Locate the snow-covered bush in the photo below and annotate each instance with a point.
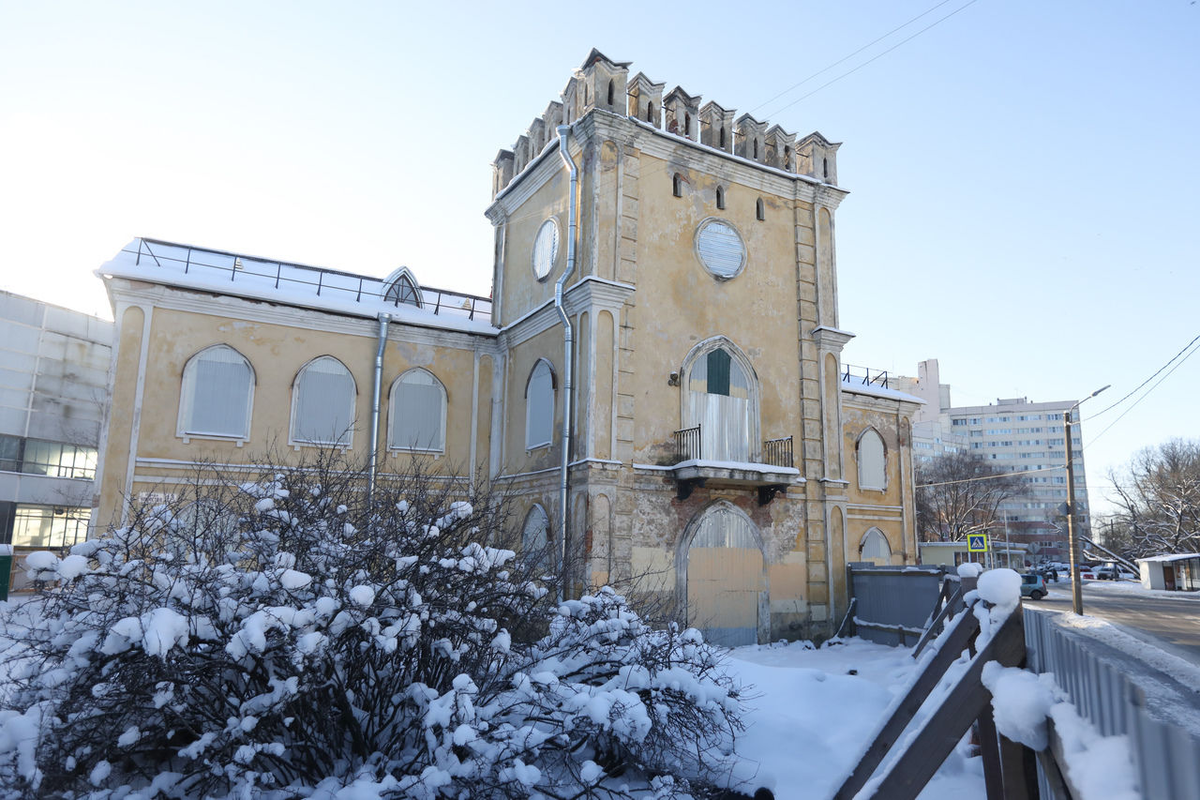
(268, 639)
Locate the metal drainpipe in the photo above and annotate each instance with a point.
(568, 342)
(376, 391)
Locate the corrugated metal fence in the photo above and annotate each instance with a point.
(1119, 694)
(892, 605)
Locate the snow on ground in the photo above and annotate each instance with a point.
(1133, 588)
(813, 712)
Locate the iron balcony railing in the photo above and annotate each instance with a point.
(283, 276)
(774, 452)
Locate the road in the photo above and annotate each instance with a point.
(1173, 623)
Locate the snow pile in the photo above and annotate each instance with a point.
(1000, 591)
(1022, 702)
(289, 647)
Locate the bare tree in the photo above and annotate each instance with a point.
(1157, 495)
(958, 494)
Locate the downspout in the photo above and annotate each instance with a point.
(568, 351)
(376, 392)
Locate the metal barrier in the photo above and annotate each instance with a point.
(1152, 709)
(892, 605)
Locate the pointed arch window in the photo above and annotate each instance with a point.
(677, 185)
(323, 398)
(721, 396)
(720, 197)
(417, 413)
(535, 536)
(874, 547)
(872, 461)
(217, 394)
(611, 92)
(539, 406)
(650, 112)
(402, 288)
(760, 210)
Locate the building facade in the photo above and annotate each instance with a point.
(656, 376)
(1013, 435)
(53, 397)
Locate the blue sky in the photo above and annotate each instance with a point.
(1023, 174)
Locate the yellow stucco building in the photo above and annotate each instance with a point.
(664, 280)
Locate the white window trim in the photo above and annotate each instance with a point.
(185, 402)
(394, 449)
(858, 462)
(701, 350)
(295, 443)
(395, 277)
(553, 405)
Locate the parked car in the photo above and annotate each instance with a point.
(1033, 586)
(1107, 572)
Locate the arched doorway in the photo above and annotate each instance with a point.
(723, 575)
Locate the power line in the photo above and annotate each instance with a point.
(1147, 394)
(1143, 383)
(872, 59)
(847, 58)
(992, 477)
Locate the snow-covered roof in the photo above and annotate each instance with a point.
(1171, 557)
(287, 283)
(859, 385)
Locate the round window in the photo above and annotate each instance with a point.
(720, 248)
(545, 248)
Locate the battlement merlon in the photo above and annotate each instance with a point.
(602, 83)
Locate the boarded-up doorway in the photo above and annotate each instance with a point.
(724, 575)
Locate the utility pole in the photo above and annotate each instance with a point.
(1072, 537)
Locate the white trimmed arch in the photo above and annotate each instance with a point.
(216, 396)
(719, 391)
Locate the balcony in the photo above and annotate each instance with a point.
(771, 470)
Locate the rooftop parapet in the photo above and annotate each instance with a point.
(605, 84)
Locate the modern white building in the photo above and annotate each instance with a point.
(1014, 435)
(54, 366)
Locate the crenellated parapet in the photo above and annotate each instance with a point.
(603, 84)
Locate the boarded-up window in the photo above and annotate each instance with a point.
(875, 548)
(535, 537)
(719, 401)
(323, 403)
(872, 462)
(217, 387)
(539, 406)
(418, 412)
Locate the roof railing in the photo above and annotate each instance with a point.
(866, 375)
(282, 275)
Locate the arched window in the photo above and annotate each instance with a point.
(649, 112)
(535, 537)
(826, 161)
(874, 547)
(721, 396)
(677, 185)
(787, 156)
(402, 288)
(722, 138)
(417, 413)
(217, 394)
(872, 461)
(720, 198)
(611, 90)
(760, 210)
(756, 148)
(539, 406)
(323, 403)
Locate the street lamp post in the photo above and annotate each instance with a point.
(1072, 537)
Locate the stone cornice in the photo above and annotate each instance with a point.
(589, 294)
(536, 174)
(123, 290)
(831, 339)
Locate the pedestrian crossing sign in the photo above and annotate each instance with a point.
(977, 542)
